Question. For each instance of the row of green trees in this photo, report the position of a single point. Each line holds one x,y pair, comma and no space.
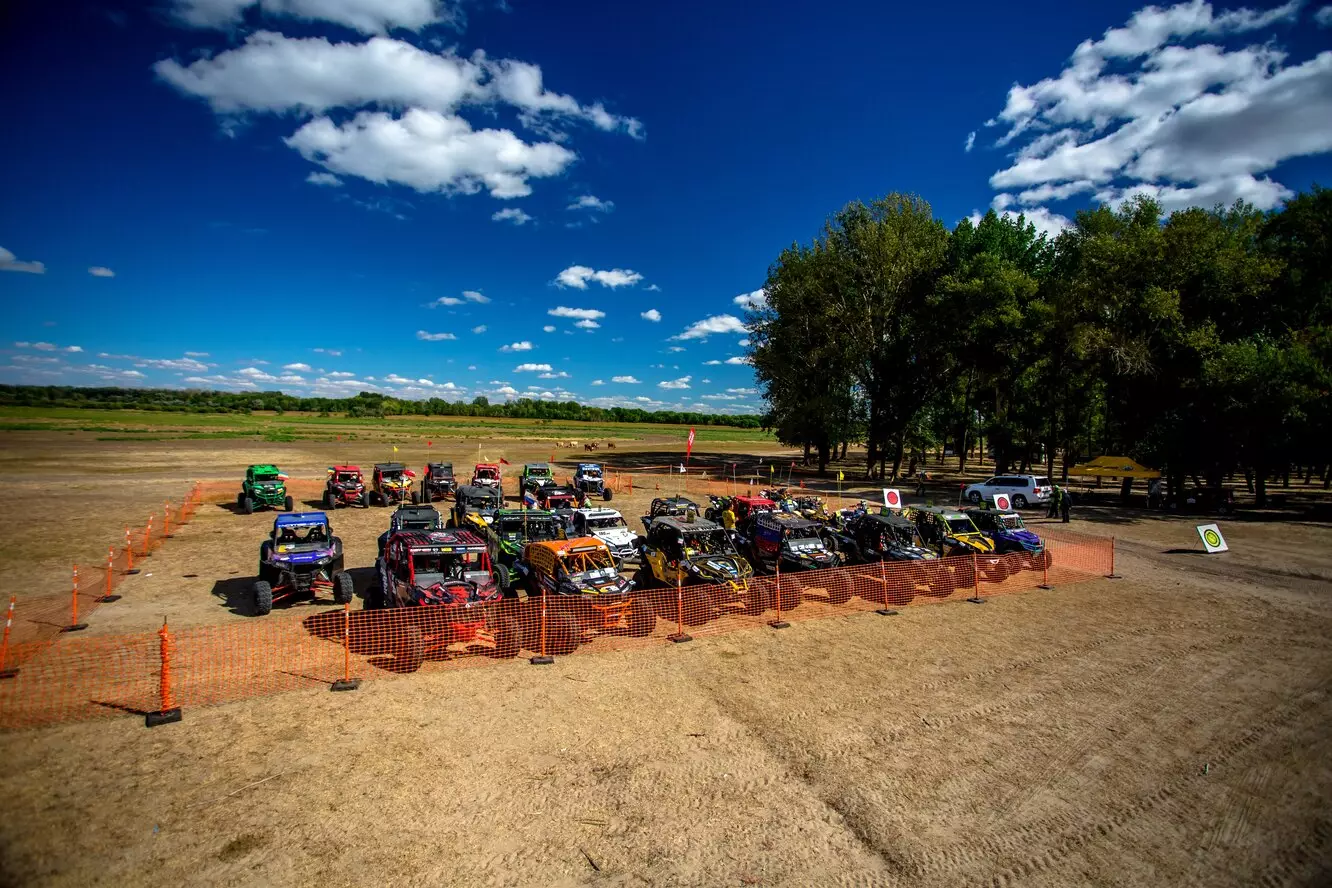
365,404
1198,342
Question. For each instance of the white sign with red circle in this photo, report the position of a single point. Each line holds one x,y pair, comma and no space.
892,498
1002,502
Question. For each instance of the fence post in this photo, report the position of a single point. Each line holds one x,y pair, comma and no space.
779,623
1045,567
7,672
346,683
129,554
542,659
168,711
166,520
106,597
74,624
1112,575
679,636
975,581
147,537
885,611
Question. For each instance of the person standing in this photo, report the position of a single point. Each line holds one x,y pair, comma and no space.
728,518
1065,503
1053,510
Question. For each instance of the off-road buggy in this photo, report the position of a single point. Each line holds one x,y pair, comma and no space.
533,477
345,487
391,483
557,498
487,475
444,577
506,534
264,487
789,542
608,526
479,501
956,538
700,557
668,505
866,538
300,559
1009,534
411,518
438,482
577,584
588,481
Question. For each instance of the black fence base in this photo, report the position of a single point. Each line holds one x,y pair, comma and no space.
131,572
976,599
779,624
106,599
541,661
346,684
74,627
1045,587
165,717
1113,577
680,637
886,612
8,673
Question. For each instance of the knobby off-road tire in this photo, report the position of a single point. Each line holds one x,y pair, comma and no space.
263,598
247,505
562,633
365,499
344,590
502,579
288,504
411,649
328,501
606,494
508,634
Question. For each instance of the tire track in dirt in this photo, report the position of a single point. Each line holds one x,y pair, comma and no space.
1063,834
1301,863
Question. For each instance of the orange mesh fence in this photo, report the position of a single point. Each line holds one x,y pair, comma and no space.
306,646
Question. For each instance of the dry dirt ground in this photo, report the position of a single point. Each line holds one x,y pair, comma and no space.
1171,727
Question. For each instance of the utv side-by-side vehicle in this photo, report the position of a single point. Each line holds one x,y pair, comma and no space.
777,539
954,536
392,483
608,526
589,481
479,501
264,487
300,559
533,477
668,505
557,498
345,487
700,557
438,482
1009,534
444,576
867,538
582,592
411,518
508,532
487,475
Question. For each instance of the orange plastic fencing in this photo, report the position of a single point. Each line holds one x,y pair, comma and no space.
316,645
39,619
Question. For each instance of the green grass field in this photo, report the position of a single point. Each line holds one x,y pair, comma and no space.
147,425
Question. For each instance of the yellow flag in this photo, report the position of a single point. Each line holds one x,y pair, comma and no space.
841,476
395,448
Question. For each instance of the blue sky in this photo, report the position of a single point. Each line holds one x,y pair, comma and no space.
569,200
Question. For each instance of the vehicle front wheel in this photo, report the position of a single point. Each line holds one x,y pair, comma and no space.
328,500
247,506
288,504
365,499
606,494
343,588
502,579
410,653
974,497
416,498
1020,502
263,598
562,633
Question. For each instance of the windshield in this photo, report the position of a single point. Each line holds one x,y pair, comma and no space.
591,473
536,528
903,536
347,478
542,472
487,473
393,476
714,542
482,501
1012,522
266,478
961,525
607,523
1042,482
432,568
302,536
597,563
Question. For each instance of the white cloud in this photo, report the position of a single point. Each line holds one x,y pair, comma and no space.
715,324
196,354
625,380
706,381
366,16
474,296
755,300
711,363
51,347
681,383
1137,112
1047,222
971,141
301,368
532,368
256,374
479,329
598,382
434,337
341,374
577,276
327,179
429,151
556,375
592,202
517,346
8,262
511,214
651,315
739,359
1323,17
676,348
184,364
548,328
446,301
742,391
587,324
331,352
743,343
471,366
585,314
506,390
720,397
101,271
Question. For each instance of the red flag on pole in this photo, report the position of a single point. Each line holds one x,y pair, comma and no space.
689,445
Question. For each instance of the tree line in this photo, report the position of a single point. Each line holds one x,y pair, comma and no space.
1197,342
365,404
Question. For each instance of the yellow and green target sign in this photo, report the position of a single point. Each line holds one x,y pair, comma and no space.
1212,539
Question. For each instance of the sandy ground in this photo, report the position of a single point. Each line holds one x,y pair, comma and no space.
1167,728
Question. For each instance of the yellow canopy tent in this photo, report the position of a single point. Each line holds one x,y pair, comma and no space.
1113,467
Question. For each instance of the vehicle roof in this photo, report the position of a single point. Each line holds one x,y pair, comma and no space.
536,465
440,465
564,547
415,510
346,468
476,492
786,519
675,499
529,514
263,467
300,519
943,511
429,539
894,518
596,466
989,511
558,490
755,501
486,466
698,525
390,467
599,512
